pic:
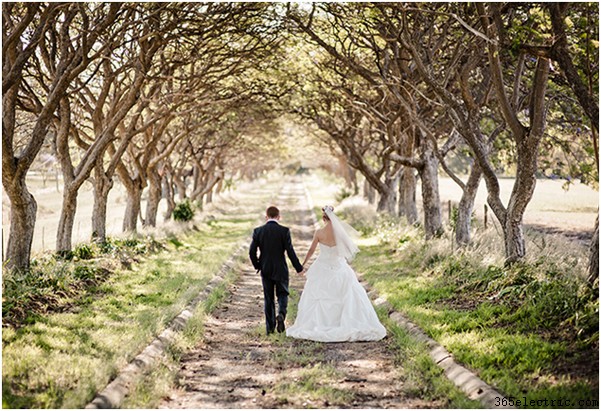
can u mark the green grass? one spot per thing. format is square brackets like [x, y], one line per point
[422, 377]
[520, 327]
[60, 360]
[156, 383]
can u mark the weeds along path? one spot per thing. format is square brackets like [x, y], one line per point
[236, 365]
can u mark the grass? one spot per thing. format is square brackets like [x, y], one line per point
[422, 377]
[54, 284]
[61, 359]
[315, 383]
[530, 329]
[159, 381]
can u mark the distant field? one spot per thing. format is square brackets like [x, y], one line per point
[49, 205]
[572, 213]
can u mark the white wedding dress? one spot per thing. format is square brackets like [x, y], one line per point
[334, 307]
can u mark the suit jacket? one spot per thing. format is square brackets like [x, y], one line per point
[273, 240]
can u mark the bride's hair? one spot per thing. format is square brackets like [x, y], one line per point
[325, 215]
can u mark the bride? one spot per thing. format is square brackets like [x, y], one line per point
[333, 306]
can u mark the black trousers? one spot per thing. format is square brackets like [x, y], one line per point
[280, 288]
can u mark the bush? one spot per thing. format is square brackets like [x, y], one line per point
[43, 288]
[84, 272]
[183, 211]
[539, 294]
[83, 252]
[55, 281]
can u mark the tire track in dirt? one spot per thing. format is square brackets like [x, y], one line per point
[236, 365]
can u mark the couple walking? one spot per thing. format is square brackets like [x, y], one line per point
[333, 306]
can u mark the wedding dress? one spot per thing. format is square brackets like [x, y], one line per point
[334, 307]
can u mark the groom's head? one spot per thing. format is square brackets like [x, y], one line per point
[272, 213]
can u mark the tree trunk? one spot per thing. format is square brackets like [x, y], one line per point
[196, 179]
[353, 174]
[132, 208]
[344, 169]
[388, 197]
[348, 173]
[407, 188]
[64, 232]
[23, 209]
[180, 185]
[154, 198]
[430, 195]
[369, 192]
[593, 260]
[466, 206]
[523, 189]
[102, 186]
[515, 244]
[170, 196]
[209, 197]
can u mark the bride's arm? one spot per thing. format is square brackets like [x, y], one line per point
[311, 249]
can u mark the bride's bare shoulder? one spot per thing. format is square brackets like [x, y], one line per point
[319, 232]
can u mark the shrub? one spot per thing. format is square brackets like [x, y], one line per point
[107, 246]
[27, 294]
[84, 272]
[183, 211]
[83, 252]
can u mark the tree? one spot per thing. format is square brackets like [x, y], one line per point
[143, 30]
[72, 40]
[467, 109]
[588, 96]
[391, 78]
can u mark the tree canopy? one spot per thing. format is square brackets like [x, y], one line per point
[180, 98]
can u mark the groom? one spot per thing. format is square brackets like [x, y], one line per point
[273, 240]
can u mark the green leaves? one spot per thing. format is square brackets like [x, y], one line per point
[183, 211]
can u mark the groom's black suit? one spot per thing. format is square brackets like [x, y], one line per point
[273, 240]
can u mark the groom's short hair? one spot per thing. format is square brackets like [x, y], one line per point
[272, 212]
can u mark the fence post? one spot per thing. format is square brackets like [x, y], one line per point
[450, 211]
[485, 216]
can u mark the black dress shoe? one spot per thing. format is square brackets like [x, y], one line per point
[280, 323]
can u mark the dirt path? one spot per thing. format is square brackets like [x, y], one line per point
[237, 366]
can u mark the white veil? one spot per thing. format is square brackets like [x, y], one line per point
[344, 234]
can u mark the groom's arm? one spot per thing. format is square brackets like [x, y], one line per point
[254, 245]
[291, 254]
